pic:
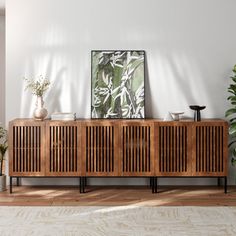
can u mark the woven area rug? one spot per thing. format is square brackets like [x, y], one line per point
[120, 220]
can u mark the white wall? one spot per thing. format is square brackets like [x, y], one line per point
[190, 48]
[2, 4]
[2, 68]
[2, 7]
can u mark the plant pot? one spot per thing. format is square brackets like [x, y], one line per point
[2, 183]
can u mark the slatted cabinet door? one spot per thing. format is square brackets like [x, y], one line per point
[26, 148]
[210, 152]
[63, 148]
[137, 148]
[173, 148]
[99, 148]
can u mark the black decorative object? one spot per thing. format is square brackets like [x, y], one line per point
[197, 109]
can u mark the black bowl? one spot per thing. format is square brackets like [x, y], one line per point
[196, 107]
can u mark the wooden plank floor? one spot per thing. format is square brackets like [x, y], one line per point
[116, 196]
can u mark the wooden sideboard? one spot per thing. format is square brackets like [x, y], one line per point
[120, 148]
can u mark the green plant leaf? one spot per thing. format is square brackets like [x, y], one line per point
[231, 120]
[234, 152]
[232, 136]
[233, 98]
[230, 112]
[232, 143]
[234, 69]
[233, 161]
[230, 97]
[233, 78]
[231, 91]
[232, 128]
[232, 86]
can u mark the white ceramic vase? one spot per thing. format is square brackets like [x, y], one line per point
[40, 112]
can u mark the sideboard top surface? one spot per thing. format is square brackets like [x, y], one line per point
[124, 121]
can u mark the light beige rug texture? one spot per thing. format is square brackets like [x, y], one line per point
[120, 220]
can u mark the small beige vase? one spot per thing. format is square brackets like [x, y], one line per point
[40, 112]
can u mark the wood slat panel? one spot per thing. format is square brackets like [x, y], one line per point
[136, 144]
[209, 154]
[99, 150]
[26, 157]
[172, 150]
[62, 149]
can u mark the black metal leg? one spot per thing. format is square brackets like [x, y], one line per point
[82, 184]
[218, 181]
[225, 184]
[10, 184]
[151, 182]
[18, 181]
[154, 184]
[85, 181]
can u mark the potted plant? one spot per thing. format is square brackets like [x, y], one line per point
[38, 87]
[3, 149]
[231, 114]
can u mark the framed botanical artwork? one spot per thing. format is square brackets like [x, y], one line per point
[118, 84]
